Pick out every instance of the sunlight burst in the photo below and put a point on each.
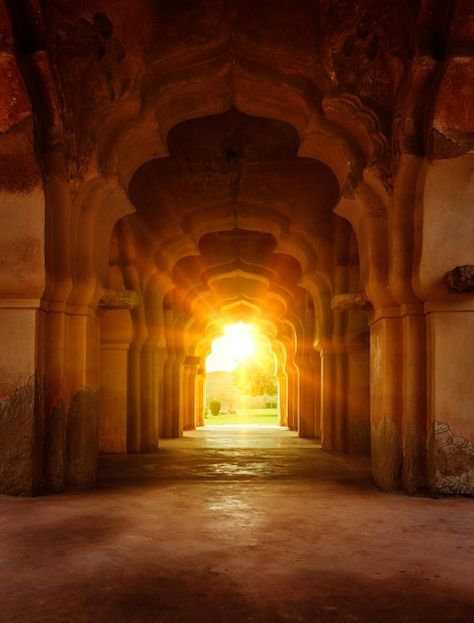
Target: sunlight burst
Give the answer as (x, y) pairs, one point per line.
(236, 345)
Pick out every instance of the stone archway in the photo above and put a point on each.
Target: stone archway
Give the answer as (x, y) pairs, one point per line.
(95, 117)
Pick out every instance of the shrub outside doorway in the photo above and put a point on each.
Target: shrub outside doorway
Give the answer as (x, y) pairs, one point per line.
(262, 417)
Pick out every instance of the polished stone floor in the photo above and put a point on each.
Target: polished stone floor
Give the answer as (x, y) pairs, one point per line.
(232, 525)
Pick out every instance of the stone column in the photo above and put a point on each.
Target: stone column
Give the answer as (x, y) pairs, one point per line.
(316, 366)
(293, 394)
(386, 361)
(113, 398)
(414, 399)
(149, 399)
(188, 406)
(357, 421)
(178, 395)
(159, 356)
(166, 427)
(306, 427)
(116, 336)
(282, 379)
(171, 425)
(328, 400)
(82, 421)
(199, 389)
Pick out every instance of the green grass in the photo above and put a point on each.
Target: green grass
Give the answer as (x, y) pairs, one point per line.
(267, 417)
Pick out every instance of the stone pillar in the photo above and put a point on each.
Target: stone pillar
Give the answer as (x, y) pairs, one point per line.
(113, 398)
(116, 336)
(306, 427)
(177, 415)
(199, 389)
(346, 393)
(316, 366)
(282, 379)
(160, 355)
(341, 390)
(134, 407)
(293, 394)
(53, 337)
(414, 399)
(345, 401)
(328, 400)
(357, 424)
(386, 361)
(188, 406)
(170, 425)
(166, 428)
(82, 421)
(149, 399)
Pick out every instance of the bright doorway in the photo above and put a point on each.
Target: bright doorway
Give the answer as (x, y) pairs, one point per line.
(241, 384)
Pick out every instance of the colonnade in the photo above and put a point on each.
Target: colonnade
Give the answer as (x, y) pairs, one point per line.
(337, 219)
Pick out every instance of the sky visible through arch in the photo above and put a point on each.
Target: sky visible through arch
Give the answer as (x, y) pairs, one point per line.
(231, 349)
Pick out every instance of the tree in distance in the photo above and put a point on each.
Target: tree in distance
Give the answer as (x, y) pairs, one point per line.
(255, 379)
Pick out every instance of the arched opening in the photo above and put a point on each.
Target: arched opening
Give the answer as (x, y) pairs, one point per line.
(238, 198)
(216, 247)
(242, 386)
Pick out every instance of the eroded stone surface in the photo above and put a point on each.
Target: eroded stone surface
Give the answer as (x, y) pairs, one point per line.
(386, 453)
(82, 434)
(20, 442)
(119, 299)
(461, 278)
(55, 448)
(451, 459)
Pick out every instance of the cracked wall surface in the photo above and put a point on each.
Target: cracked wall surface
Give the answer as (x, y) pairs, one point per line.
(451, 461)
(20, 441)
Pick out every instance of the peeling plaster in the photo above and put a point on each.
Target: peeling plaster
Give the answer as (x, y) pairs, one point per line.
(451, 461)
(20, 437)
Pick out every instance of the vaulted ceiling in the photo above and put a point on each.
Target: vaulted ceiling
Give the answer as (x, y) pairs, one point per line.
(231, 207)
(235, 131)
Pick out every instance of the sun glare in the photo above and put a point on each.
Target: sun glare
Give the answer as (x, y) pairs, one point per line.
(228, 351)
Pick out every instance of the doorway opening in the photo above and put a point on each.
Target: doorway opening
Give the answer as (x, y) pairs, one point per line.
(242, 388)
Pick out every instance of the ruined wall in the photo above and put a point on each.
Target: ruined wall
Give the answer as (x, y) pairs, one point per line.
(446, 234)
(22, 278)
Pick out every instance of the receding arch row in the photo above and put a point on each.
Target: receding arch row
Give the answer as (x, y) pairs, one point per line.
(187, 337)
(399, 210)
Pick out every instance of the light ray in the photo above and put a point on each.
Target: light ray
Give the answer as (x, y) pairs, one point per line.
(235, 346)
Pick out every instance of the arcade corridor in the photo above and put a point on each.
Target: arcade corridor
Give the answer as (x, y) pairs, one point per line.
(232, 526)
(303, 170)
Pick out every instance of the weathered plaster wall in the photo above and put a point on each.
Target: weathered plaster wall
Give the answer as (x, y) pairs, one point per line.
(445, 224)
(22, 280)
(451, 402)
(20, 406)
(21, 244)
